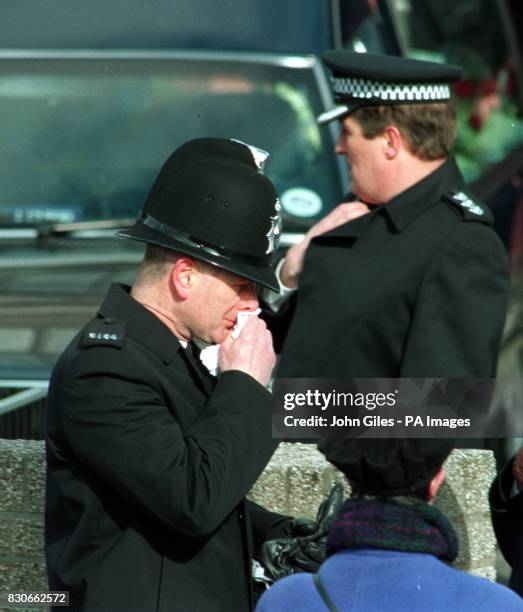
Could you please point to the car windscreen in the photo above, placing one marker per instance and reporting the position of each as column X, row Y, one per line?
column 83, row 136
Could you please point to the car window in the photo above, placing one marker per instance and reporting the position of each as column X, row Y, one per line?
column 470, row 33
column 83, row 136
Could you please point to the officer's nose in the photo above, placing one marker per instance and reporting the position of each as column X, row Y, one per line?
column 340, row 145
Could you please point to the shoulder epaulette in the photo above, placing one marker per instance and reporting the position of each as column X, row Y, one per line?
column 104, row 332
column 468, row 207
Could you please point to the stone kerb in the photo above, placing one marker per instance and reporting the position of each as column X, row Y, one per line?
column 295, row 482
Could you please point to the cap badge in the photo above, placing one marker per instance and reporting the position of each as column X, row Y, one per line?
column 273, row 235
column 463, row 200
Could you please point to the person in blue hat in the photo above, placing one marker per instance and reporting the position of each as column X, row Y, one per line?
column 149, row 456
column 388, row 548
column 407, row 278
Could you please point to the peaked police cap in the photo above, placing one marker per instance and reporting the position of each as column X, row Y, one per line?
column 212, row 201
column 369, row 79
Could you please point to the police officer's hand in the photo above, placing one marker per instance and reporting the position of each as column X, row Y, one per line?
column 293, row 264
column 252, row 352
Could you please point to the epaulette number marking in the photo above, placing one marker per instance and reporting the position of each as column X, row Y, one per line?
column 99, row 336
column 105, row 332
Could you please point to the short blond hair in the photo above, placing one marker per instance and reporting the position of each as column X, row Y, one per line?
column 157, row 262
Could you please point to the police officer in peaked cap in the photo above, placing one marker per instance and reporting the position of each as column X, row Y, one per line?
column 149, row 456
column 406, row 278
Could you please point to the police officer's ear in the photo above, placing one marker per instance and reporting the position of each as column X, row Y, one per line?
column 392, row 142
column 184, row 272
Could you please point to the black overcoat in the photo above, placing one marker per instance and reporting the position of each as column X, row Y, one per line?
column 417, row 288
column 506, row 510
column 148, row 463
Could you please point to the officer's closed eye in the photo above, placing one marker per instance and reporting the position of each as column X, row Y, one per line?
column 244, row 287
column 245, row 290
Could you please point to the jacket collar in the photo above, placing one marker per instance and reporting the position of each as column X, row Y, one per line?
column 413, row 202
column 351, row 229
column 142, row 326
column 409, row 204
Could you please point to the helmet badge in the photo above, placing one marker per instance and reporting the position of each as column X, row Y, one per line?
column 274, row 233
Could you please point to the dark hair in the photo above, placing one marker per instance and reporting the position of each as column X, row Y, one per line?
column 428, row 129
column 416, row 496
column 388, row 467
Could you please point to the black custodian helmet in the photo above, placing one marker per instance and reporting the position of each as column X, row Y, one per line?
column 212, row 201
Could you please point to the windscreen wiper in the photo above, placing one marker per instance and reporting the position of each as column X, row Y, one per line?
column 82, row 227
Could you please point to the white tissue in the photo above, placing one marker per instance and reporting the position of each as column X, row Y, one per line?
column 210, row 356
column 241, row 319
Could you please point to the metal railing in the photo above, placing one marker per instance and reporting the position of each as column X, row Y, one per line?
column 22, row 409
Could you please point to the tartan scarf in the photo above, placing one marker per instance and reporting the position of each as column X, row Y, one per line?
column 384, row 524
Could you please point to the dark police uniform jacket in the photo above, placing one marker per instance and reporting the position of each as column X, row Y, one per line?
column 148, row 463
column 507, row 518
column 416, row 288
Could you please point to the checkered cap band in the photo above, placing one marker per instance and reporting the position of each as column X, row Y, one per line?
column 364, row 89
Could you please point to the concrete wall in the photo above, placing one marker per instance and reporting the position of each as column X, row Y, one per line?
column 294, row 482
column 22, row 474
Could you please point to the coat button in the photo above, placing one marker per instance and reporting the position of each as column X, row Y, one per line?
column 109, row 321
